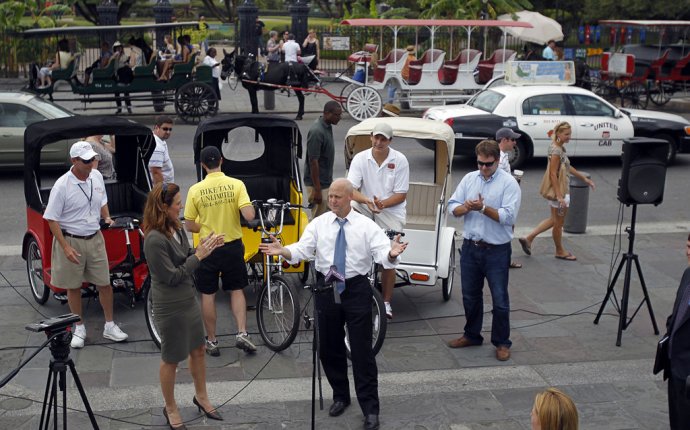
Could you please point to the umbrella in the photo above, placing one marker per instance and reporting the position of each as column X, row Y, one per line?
column 544, row 28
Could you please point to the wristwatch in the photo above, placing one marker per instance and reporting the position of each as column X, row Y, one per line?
column 481, row 211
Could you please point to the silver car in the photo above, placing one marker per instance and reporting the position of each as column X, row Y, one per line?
column 17, row 111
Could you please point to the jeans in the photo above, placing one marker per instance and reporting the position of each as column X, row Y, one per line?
column 492, row 263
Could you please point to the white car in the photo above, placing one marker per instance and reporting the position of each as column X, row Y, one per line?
column 17, row 111
column 599, row 128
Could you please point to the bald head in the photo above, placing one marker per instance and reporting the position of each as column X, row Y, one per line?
column 339, row 197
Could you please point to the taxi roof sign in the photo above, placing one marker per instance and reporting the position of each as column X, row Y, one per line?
column 540, row 73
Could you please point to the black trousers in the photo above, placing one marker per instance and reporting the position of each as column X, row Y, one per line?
column 355, row 312
column 678, row 404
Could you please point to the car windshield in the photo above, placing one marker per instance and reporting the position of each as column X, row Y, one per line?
column 53, row 110
column 486, row 100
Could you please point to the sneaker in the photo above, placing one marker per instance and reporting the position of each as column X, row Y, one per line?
column 243, row 342
column 389, row 310
column 78, row 336
column 212, row 348
column 114, row 333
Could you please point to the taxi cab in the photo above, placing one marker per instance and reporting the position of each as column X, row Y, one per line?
column 533, row 107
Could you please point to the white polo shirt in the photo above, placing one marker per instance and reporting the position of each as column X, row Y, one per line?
column 291, row 49
column 76, row 204
column 161, row 158
column 392, row 176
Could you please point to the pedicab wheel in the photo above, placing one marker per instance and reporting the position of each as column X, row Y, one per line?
column 447, row 283
column 148, row 307
column 518, row 155
column 364, row 103
column 661, row 93
column 635, row 95
column 345, row 93
column 34, row 270
column 304, row 276
column 379, row 324
column 279, row 322
column 195, row 101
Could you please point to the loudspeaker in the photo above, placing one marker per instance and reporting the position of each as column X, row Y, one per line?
column 643, row 175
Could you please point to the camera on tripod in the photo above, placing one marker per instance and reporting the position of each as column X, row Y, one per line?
column 55, row 324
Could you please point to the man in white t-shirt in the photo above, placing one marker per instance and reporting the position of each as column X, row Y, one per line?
column 506, row 139
column 381, row 178
column 291, row 49
column 160, row 164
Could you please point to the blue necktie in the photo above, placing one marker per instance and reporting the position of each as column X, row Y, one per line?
column 339, row 255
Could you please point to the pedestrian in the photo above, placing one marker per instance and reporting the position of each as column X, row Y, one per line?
column 215, row 205
column 404, row 72
column 203, row 33
column 554, row 410
column 171, row 263
column 548, row 53
column 318, row 166
column 291, row 49
column 63, row 57
column 506, row 143
column 558, row 171
column 105, row 149
column 160, row 164
column 678, row 369
column 77, row 204
column 381, row 178
column 349, row 241
column 259, row 33
column 124, row 75
column 273, row 48
column 210, row 60
column 489, row 201
column 310, row 47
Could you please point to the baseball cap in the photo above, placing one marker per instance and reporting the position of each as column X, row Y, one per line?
column 506, row 133
column 83, row 150
column 116, row 44
column 383, row 129
column 209, row 154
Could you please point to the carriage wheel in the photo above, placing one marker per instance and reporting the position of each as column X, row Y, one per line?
column 345, row 94
column 194, row 101
column 364, row 103
column 604, row 90
column 661, row 93
column 635, row 95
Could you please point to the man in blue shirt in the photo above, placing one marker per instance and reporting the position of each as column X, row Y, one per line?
column 549, row 54
column 489, row 201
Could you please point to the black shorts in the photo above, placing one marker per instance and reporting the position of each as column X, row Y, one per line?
column 226, row 262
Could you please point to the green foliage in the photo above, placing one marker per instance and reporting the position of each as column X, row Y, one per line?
column 399, row 12
column 470, row 9
column 372, row 9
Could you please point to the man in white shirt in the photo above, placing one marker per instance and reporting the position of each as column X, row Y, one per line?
column 291, row 49
column 160, row 164
column 381, row 178
column 76, row 205
column 210, row 60
column 364, row 241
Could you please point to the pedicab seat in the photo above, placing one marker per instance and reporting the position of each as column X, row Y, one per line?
column 105, row 73
column 146, row 70
column 185, row 68
column 466, row 61
column 431, row 60
column 422, row 203
column 125, row 199
column 395, row 56
column 264, row 187
column 681, row 70
column 68, row 72
column 486, row 67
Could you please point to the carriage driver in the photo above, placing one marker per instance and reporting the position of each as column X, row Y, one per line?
column 76, row 205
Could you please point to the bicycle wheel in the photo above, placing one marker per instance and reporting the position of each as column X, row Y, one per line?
column 279, row 323
column 148, row 308
column 379, row 324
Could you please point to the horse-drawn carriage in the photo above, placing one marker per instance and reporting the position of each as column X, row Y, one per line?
column 189, row 88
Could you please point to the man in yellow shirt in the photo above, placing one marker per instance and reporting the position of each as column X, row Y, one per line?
column 214, row 205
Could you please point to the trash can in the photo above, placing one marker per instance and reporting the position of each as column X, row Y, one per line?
column 576, row 219
column 269, row 99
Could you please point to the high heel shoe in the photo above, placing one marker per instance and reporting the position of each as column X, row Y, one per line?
column 180, row 427
column 214, row 415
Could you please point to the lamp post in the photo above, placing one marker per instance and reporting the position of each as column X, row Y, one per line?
column 248, row 12
column 162, row 12
column 299, row 11
column 484, row 15
column 107, row 15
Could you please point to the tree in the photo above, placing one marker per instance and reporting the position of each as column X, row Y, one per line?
column 470, row 9
column 89, row 9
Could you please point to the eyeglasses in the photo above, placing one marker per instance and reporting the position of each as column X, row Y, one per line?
column 89, row 161
column 485, row 163
column 166, row 128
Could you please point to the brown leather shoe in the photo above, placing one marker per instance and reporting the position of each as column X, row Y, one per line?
column 462, row 342
column 502, row 353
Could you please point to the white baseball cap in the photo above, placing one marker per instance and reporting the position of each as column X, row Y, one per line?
column 383, row 129
column 83, row 150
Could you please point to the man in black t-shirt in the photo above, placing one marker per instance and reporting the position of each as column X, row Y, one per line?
column 259, row 31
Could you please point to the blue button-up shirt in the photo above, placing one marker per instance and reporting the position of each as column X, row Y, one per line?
column 501, row 192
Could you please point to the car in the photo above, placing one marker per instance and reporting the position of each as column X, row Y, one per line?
column 17, row 111
column 599, row 128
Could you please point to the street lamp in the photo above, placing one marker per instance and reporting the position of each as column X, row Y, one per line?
column 484, row 14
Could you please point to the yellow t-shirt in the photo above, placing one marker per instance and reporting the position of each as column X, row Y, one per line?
column 215, row 203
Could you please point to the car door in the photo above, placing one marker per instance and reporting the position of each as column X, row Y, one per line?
column 538, row 115
column 599, row 131
column 11, row 136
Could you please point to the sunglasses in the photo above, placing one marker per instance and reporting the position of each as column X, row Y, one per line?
column 166, row 128
column 89, row 161
column 485, row 163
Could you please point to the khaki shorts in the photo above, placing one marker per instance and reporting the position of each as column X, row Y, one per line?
column 317, row 208
column 92, row 267
column 382, row 219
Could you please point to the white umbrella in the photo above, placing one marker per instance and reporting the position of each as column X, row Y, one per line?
column 544, row 28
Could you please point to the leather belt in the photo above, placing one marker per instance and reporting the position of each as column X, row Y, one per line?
column 76, row 236
column 479, row 243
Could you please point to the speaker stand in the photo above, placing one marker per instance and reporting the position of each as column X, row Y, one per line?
column 622, row 309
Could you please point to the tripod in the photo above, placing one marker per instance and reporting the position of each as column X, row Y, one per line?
column 59, row 347
column 628, row 258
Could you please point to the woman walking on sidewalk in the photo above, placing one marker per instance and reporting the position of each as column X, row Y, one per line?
column 558, row 162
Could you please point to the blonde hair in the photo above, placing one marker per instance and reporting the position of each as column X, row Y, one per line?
column 561, row 126
column 555, row 410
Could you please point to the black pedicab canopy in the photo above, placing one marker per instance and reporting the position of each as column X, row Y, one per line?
column 134, row 141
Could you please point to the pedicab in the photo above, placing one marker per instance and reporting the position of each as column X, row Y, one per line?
column 126, row 200
column 430, row 256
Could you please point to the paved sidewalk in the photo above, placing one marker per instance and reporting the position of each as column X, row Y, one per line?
column 423, row 383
